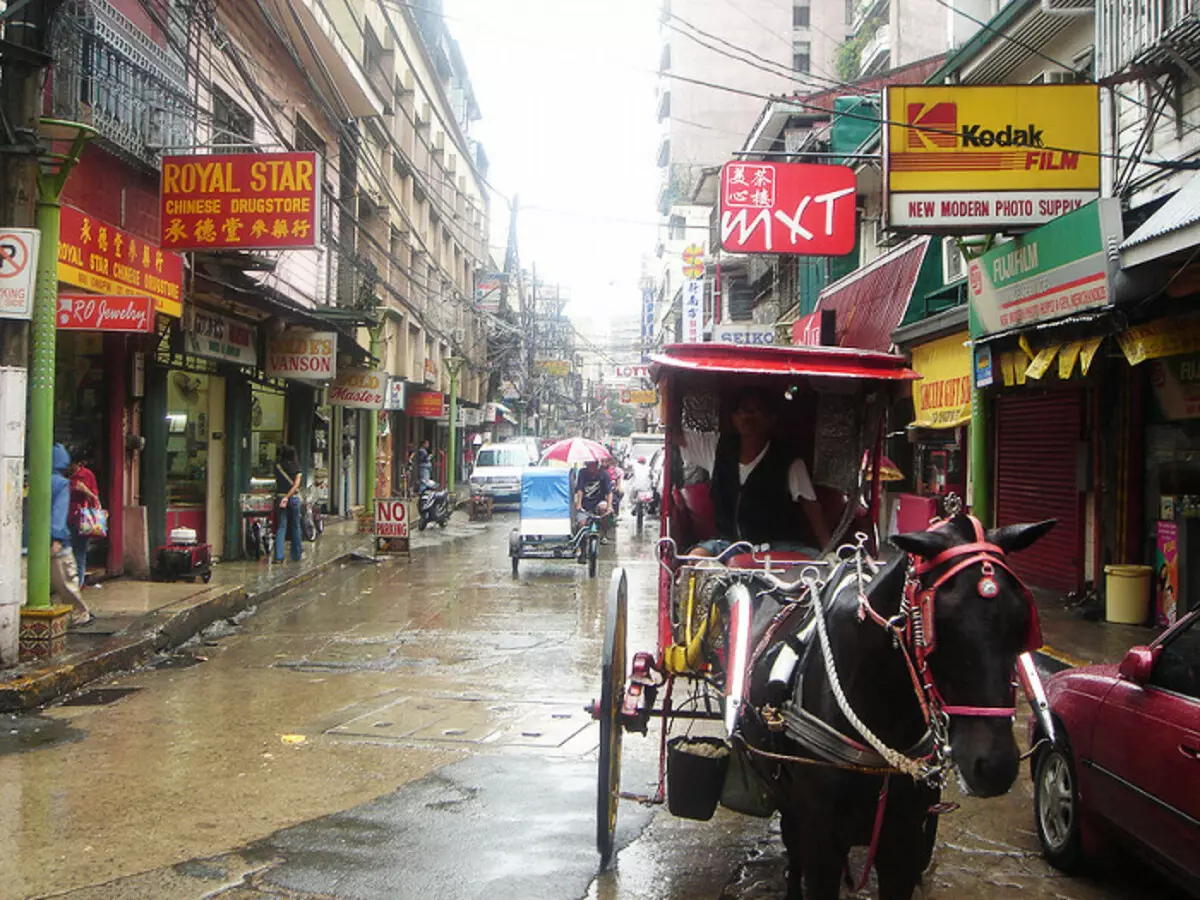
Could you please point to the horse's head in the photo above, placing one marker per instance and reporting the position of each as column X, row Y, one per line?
column 972, row 618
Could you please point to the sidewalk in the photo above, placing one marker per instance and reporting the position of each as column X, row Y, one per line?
column 1074, row 641
column 136, row 619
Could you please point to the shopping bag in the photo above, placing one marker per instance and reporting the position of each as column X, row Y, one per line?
column 100, row 520
column 93, row 522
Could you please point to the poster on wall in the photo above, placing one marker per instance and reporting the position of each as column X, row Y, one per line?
column 1166, row 569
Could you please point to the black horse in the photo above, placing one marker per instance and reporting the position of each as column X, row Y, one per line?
column 982, row 616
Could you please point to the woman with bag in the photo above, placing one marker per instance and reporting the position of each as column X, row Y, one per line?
column 287, row 487
column 85, row 517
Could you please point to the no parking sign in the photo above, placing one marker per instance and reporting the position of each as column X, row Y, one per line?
column 392, row 516
column 18, row 264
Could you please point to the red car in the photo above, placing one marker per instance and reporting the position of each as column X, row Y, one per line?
column 1124, row 766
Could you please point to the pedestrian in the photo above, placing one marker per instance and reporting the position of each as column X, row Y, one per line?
column 64, row 580
column 85, row 494
column 424, row 464
column 287, row 487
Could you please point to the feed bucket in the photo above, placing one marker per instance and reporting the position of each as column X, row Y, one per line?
column 696, row 769
column 1127, row 594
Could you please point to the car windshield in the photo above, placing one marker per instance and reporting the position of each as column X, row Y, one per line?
column 644, row 450
column 503, row 456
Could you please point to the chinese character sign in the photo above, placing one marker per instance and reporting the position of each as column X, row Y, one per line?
column 648, row 323
column 693, row 311
column 241, row 201
column 101, row 258
column 797, row 208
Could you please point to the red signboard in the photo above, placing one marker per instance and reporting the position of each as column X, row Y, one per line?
column 241, row 201
column 90, row 312
column 391, row 518
column 425, row 405
column 815, row 330
column 797, row 208
column 102, row 258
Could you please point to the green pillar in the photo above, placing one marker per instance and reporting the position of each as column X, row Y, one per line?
column 56, row 167
column 372, row 438
column 454, row 364
column 154, row 457
column 981, row 462
column 237, row 461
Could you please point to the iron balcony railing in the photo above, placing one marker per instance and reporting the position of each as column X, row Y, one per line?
column 111, row 75
column 1138, row 32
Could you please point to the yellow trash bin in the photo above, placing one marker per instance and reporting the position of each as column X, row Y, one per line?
column 1127, row 594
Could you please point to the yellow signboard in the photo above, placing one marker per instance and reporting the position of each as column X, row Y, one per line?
column 958, row 157
column 1164, row 337
column 942, row 398
column 557, row 367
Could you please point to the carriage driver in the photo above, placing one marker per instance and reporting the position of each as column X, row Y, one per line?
column 757, row 484
column 594, row 495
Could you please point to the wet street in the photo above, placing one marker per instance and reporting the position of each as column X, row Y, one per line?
column 410, row 730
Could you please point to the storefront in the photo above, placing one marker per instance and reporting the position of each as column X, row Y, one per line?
column 356, row 395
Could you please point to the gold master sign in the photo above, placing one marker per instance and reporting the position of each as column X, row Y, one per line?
column 961, row 158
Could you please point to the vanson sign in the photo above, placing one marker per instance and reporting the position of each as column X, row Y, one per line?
column 958, row 159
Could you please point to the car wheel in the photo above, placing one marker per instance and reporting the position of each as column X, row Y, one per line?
column 1056, row 809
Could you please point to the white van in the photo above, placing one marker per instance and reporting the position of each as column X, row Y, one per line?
column 497, row 471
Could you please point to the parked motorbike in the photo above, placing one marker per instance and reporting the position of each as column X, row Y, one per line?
column 641, row 490
column 433, row 506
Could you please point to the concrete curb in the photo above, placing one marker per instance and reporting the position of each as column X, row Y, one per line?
column 126, row 650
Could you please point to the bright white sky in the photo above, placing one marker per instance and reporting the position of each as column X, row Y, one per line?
column 566, row 89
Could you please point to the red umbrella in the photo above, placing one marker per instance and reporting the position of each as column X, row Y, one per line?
column 576, row 450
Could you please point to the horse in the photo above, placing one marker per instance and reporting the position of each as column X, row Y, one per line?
column 924, row 654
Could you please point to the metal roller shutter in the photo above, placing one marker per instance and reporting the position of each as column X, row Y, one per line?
column 1037, row 442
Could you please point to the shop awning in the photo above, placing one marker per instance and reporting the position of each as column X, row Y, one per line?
column 1173, row 228
column 942, row 398
column 870, row 302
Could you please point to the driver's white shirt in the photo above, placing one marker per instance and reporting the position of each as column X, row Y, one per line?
column 701, row 450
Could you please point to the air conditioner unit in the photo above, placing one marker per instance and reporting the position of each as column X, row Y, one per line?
column 1059, row 76
column 954, row 266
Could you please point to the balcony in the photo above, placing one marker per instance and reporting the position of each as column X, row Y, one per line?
column 1136, row 33
column 876, row 53
column 865, row 10
column 110, row 75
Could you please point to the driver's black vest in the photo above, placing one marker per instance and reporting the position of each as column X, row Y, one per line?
column 761, row 510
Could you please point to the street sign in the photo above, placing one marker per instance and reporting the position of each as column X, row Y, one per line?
column 18, row 266
column 792, row 208
column 392, row 517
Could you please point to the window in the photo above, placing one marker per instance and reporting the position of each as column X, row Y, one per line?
column 307, row 138
column 231, row 123
column 1178, row 667
column 677, row 228
column 802, row 56
column 664, row 63
column 801, row 14
column 503, row 456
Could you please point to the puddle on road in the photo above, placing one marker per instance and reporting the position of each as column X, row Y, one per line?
column 21, row 733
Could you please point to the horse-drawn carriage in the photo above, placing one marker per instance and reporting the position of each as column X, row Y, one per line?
column 815, row 665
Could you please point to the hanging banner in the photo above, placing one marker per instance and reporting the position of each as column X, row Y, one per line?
column 88, row 312
column 18, row 268
column 241, row 201
column 303, row 355
column 102, row 258
column 693, row 311
column 942, row 398
column 1058, row 270
column 217, row 337
column 963, row 159
column 425, row 405
column 359, row 389
column 1162, row 337
column 1066, row 358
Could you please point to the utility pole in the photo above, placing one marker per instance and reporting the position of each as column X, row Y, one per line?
column 530, row 323
column 511, row 265
column 454, row 365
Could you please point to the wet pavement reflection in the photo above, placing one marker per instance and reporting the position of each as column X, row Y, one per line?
column 410, row 729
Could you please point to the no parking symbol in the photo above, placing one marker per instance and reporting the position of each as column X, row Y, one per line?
column 18, row 263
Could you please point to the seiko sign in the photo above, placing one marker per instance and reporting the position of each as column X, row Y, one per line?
column 745, row 335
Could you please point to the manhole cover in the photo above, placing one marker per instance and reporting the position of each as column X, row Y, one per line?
column 99, row 696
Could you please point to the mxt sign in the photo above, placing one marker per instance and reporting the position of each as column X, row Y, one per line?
column 799, row 208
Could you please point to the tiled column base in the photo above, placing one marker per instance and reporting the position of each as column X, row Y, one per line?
column 44, row 631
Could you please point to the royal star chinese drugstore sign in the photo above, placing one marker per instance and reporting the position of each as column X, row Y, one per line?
column 241, row 201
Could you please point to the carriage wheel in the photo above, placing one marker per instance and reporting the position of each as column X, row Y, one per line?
column 612, row 692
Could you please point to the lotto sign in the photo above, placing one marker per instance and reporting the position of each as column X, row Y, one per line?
column 693, row 262
column 241, row 201
column 99, row 257
column 391, row 518
column 693, row 312
column 789, row 208
column 18, row 263
column 960, row 158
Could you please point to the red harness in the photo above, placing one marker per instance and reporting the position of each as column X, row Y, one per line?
column 920, row 634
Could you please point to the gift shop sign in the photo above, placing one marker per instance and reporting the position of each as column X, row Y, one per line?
column 103, row 259
column 958, row 158
column 359, row 389
column 788, row 208
column 1062, row 268
column 303, row 355
column 217, row 337
column 88, row 312
column 18, row 263
column 241, row 201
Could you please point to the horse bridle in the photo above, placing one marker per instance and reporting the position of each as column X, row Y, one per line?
column 918, row 610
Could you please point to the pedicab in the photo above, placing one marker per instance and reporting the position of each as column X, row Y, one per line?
column 716, row 631
column 547, row 528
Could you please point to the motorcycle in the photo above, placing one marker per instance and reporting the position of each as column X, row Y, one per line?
column 641, row 489
column 433, row 506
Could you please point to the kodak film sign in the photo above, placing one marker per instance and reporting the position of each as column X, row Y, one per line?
column 963, row 159
column 241, row 201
